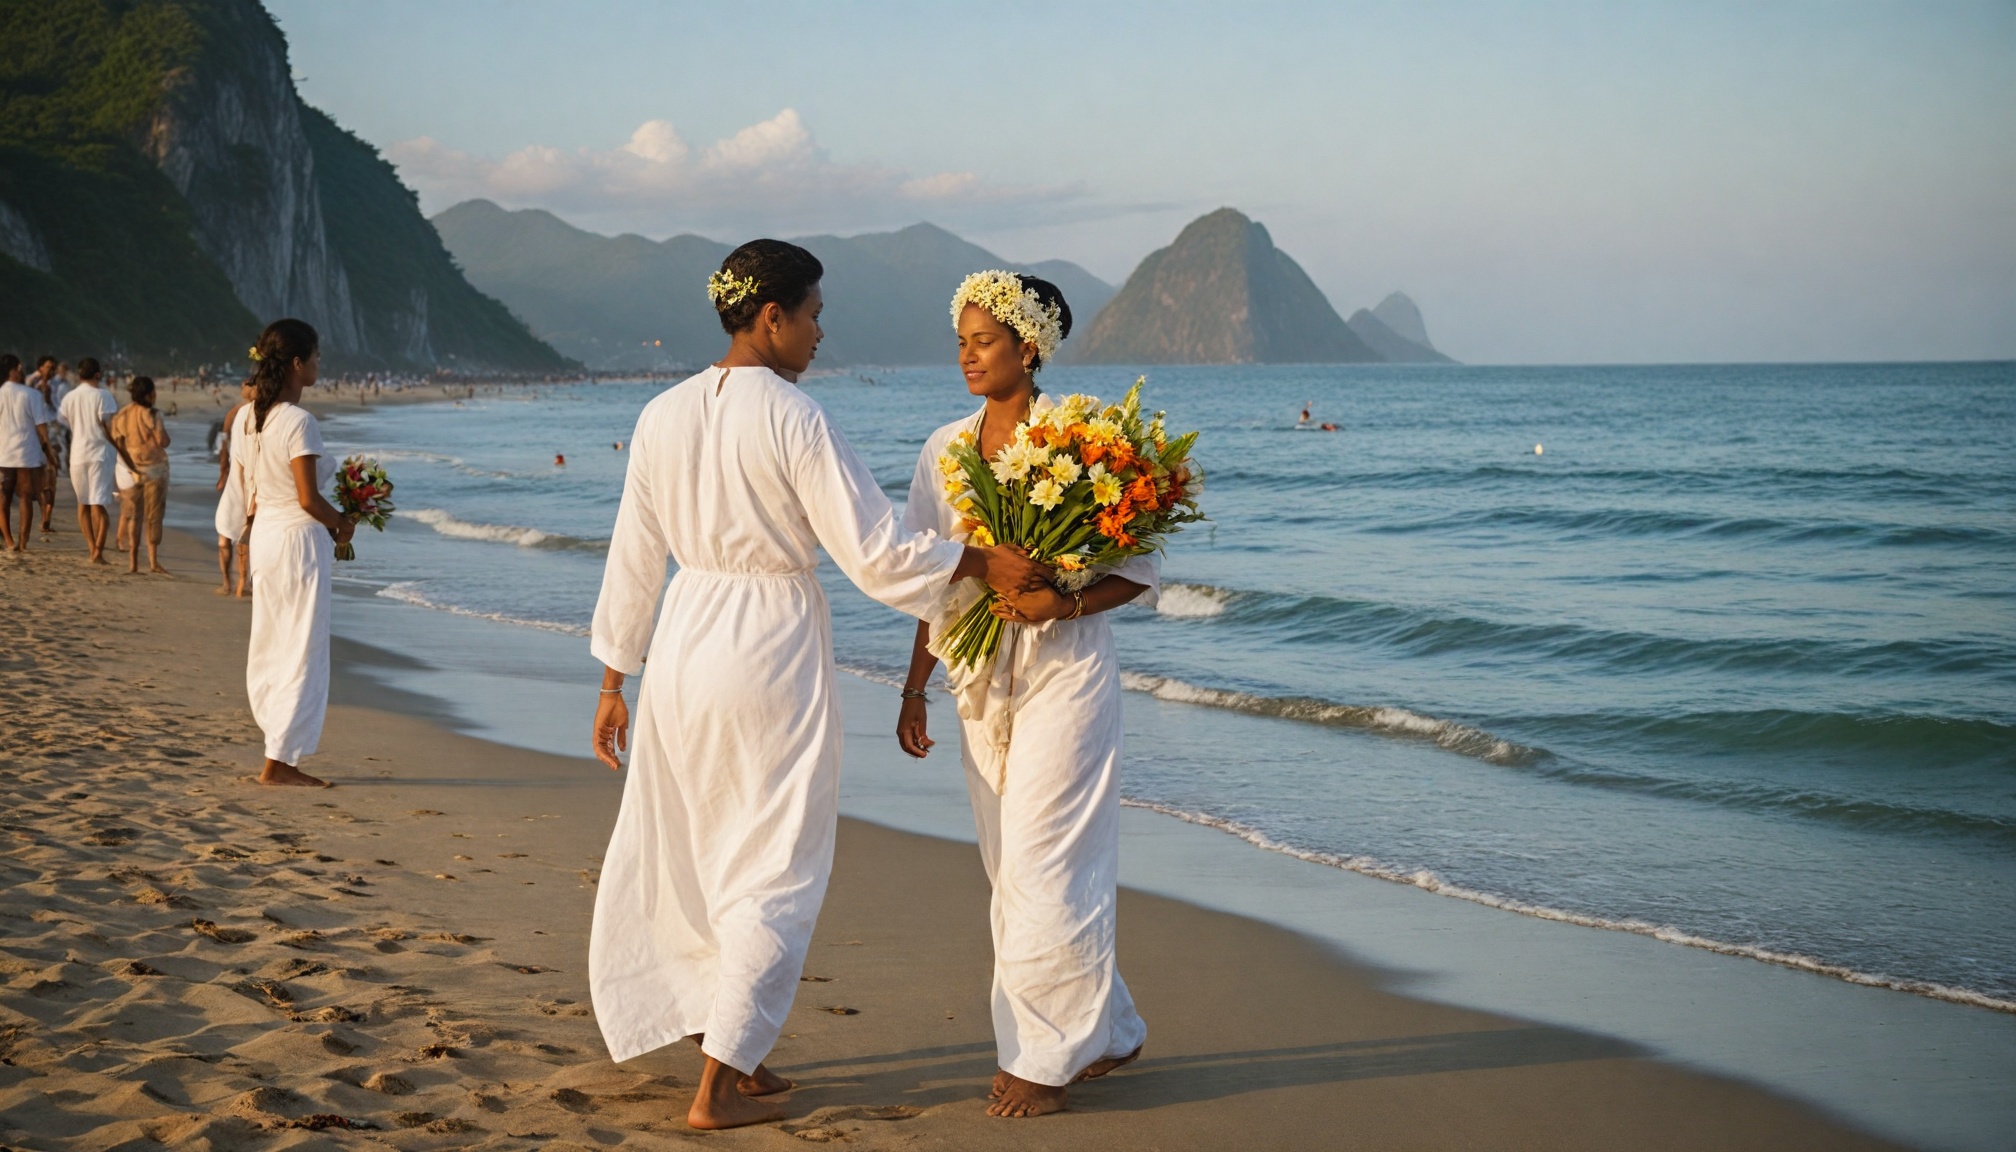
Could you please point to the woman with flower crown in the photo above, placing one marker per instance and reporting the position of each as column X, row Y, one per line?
column 722, row 847
column 1040, row 738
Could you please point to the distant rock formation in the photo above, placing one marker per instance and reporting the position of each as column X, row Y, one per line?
column 164, row 192
column 1399, row 313
column 1386, row 340
column 1220, row 294
column 627, row 302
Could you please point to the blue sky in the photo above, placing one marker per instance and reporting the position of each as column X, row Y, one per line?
column 1553, row 183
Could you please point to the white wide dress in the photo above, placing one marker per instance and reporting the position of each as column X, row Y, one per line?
column 724, row 842
column 231, row 510
column 85, row 410
column 287, row 663
column 1040, row 737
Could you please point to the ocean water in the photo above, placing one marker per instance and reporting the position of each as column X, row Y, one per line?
column 1732, row 662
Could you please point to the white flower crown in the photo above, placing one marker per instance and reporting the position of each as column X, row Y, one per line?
column 1002, row 296
column 726, row 289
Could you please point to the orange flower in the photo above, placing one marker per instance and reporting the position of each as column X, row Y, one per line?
column 1093, row 452
column 1142, row 491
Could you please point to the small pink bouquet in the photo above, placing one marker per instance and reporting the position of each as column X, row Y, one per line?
column 364, row 494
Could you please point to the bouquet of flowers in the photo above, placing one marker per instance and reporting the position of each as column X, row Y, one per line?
column 1081, row 486
column 364, row 494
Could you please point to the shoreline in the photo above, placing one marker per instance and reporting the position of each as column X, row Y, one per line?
column 397, row 961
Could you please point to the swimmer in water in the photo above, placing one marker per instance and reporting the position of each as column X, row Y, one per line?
column 1328, row 427
column 1305, row 416
column 559, row 461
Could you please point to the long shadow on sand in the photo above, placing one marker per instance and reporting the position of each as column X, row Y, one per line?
column 930, row 1076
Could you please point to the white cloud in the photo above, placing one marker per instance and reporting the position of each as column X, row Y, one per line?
column 769, row 177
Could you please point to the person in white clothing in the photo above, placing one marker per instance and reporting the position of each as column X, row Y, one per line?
column 87, row 411
column 295, row 530
column 48, row 381
column 1045, row 786
column 24, row 450
column 724, row 842
column 232, row 523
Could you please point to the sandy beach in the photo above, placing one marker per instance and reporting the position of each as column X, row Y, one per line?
column 194, row 961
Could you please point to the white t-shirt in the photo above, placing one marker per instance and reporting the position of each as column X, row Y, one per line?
column 290, row 431
column 85, row 411
column 21, row 409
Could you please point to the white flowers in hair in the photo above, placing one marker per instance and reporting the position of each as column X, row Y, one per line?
column 1002, row 296
column 726, row 289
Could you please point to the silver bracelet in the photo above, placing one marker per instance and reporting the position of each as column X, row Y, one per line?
column 612, row 691
column 915, row 694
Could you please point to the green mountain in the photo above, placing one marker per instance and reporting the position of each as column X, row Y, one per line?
column 164, row 192
column 628, row 302
column 1220, row 294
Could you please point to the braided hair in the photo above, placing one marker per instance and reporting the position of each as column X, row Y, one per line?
column 783, row 274
column 280, row 345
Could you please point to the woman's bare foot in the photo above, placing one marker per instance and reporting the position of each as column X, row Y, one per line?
column 222, row 590
column 720, row 1104
column 1100, row 1068
column 1000, row 1084
column 277, row 773
column 1020, row 1098
column 157, row 570
column 764, row 1082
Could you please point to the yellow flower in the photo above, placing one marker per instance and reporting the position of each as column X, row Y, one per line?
column 1106, row 489
column 1046, row 494
column 982, row 537
column 967, row 507
column 1065, row 470
column 1070, row 562
column 1104, row 430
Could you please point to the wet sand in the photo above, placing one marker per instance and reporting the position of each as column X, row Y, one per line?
column 193, row 960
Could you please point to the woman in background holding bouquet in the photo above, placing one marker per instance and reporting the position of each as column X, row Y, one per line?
column 1039, row 703
column 295, row 530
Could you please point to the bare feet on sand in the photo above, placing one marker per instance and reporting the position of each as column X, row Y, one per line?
column 1100, row 1068
column 719, row 1102
column 764, row 1082
column 1018, row 1098
column 277, row 773
column 157, row 570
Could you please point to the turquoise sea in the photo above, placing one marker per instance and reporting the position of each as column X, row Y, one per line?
column 1730, row 661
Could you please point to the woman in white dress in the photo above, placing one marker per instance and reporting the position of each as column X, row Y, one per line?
column 1040, row 740
column 295, row 530
column 724, row 842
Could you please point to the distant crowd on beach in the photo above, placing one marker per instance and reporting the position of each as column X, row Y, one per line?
column 114, row 456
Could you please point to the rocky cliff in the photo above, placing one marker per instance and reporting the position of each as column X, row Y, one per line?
column 1222, row 293
column 165, row 192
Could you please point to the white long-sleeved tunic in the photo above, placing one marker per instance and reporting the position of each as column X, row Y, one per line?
column 1040, row 740
column 724, row 841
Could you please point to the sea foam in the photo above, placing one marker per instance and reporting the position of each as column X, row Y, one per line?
column 408, row 592
column 1428, row 881
column 448, row 524
column 1192, row 601
column 1381, row 719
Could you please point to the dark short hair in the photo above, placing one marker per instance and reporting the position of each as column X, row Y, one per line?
column 140, row 386
column 784, row 275
column 88, row 369
column 1047, row 294
column 8, row 362
column 45, row 358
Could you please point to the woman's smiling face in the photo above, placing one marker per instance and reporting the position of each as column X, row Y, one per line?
column 991, row 356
